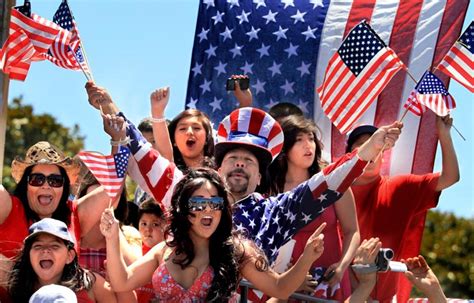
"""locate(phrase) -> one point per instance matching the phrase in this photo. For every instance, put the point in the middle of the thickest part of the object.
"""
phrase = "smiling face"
(204, 223)
(302, 153)
(48, 256)
(241, 172)
(190, 137)
(151, 229)
(44, 199)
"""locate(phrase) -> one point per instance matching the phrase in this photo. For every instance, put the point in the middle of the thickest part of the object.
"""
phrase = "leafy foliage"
(448, 246)
(25, 128)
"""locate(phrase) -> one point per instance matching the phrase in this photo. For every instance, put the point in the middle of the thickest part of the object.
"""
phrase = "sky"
(134, 49)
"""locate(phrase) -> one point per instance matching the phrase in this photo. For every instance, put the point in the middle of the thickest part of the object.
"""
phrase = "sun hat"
(45, 153)
(52, 227)
(252, 129)
(53, 293)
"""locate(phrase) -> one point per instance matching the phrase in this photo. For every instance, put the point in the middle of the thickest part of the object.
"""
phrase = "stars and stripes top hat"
(252, 129)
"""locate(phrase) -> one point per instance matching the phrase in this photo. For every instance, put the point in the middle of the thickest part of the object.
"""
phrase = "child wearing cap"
(48, 257)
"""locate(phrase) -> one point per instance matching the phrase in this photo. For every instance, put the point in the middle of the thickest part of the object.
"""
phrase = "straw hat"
(45, 153)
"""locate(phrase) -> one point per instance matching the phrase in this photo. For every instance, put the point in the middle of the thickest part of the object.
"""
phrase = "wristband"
(120, 142)
(158, 120)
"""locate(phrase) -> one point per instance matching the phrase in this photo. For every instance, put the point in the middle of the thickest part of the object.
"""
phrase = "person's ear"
(71, 254)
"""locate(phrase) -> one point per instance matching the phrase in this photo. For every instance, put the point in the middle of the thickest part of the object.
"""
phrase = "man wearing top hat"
(248, 140)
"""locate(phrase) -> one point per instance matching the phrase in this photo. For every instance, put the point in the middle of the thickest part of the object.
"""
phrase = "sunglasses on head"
(200, 203)
(39, 179)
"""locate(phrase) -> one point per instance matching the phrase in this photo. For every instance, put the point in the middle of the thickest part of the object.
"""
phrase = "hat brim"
(263, 156)
(71, 167)
(37, 233)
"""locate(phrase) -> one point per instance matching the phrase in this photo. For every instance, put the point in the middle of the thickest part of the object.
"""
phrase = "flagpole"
(91, 77)
(87, 75)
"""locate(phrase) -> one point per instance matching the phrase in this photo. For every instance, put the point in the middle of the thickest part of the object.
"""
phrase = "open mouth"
(206, 221)
(45, 199)
(190, 142)
(46, 264)
(308, 154)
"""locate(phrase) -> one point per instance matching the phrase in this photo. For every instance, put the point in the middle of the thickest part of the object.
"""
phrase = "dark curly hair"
(22, 279)
(221, 244)
(62, 212)
(208, 146)
(292, 126)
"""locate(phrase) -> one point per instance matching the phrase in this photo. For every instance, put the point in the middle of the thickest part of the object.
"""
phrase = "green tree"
(448, 246)
(25, 128)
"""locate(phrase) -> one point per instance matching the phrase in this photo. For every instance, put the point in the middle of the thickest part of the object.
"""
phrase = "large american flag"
(459, 61)
(67, 52)
(30, 37)
(109, 170)
(419, 32)
(355, 76)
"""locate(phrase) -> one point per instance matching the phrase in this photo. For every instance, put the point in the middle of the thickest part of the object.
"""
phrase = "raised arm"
(283, 285)
(123, 278)
(5, 204)
(159, 100)
(450, 171)
(346, 215)
(244, 97)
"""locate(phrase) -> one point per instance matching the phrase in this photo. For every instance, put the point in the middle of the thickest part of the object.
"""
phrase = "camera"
(243, 83)
(384, 256)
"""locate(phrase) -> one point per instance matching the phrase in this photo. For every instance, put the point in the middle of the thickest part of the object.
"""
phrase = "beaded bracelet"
(158, 120)
(120, 142)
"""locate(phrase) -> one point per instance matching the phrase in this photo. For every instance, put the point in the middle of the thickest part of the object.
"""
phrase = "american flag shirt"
(270, 222)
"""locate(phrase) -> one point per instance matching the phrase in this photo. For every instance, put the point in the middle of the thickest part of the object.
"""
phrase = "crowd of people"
(251, 200)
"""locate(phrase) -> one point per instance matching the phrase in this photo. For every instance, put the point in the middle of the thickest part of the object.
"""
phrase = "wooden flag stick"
(459, 133)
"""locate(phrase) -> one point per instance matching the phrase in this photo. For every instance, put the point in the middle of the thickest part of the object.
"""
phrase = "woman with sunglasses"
(202, 260)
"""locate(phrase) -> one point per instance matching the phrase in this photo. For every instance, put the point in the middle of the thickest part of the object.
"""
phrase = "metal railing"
(245, 285)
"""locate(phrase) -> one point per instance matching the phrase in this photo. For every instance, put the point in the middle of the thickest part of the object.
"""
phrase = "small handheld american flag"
(109, 170)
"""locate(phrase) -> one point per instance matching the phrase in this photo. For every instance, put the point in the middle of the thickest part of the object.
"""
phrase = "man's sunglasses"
(200, 203)
(39, 179)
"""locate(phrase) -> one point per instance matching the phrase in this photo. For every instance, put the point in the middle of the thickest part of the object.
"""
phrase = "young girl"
(189, 134)
(301, 158)
(201, 260)
(48, 257)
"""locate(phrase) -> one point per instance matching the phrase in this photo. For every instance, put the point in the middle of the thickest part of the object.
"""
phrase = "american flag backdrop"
(285, 46)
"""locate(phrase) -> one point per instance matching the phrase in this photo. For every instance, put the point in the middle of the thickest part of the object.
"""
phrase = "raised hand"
(336, 276)
(100, 99)
(443, 126)
(158, 101)
(109, 226)
(244, 97)
(421, 275)
(384, 138)
(366, 254)
(315, 245)
(114, 126)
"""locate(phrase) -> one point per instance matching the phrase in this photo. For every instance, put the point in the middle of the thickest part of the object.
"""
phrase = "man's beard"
(240, 187)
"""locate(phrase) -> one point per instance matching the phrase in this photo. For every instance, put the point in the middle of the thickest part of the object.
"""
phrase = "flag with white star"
(108, 170)
(274, 43)
(430, 92)
(459, 61)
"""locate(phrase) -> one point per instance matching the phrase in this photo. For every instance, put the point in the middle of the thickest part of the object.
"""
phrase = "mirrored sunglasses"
(200, 203)
(39, 179)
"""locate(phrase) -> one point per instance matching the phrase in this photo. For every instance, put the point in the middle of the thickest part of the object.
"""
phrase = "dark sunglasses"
(39, 179)
(200, 203)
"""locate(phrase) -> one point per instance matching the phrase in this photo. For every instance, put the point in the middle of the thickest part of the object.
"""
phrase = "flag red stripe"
(257, 121)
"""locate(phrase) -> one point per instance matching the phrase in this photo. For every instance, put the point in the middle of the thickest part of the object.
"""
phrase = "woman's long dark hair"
(208, 146)
(292, 126)
(221, 245)
(62, 212)
(22, 281)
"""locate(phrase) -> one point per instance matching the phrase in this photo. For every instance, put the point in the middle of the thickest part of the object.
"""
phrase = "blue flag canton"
(467, 38)
(430, 84)
(63, 17)
(25, 9)
(359, 47)
(121, 161)
(275, 43)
